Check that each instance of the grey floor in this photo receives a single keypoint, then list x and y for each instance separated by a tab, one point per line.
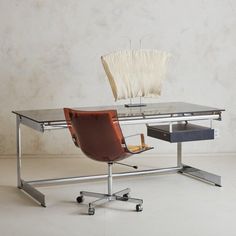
173	204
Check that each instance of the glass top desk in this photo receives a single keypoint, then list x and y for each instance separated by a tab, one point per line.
153	113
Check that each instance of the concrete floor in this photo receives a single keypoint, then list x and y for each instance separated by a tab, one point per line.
173	204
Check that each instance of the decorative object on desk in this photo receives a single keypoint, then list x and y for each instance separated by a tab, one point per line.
99	136
135	73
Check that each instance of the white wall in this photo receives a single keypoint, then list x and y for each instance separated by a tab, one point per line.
50	57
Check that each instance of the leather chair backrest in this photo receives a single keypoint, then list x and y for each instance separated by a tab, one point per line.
68	115
97	133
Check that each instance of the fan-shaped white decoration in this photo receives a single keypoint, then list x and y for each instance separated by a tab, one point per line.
135	73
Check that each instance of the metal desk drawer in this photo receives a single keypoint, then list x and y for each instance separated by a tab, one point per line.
180	132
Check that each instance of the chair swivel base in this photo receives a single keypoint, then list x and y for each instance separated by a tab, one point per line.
122	195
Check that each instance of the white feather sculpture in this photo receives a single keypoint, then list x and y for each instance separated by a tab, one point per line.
135	73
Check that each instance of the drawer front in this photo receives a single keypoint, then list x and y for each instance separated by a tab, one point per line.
181	133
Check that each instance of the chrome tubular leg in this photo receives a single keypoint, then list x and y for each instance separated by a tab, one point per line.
201	175
194	172
34	193
110	178
92	194
24	185
122	192
99	201
129	199
18	152
179	155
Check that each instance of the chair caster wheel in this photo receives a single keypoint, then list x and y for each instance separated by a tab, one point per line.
80	199
91	211
139	208
126	197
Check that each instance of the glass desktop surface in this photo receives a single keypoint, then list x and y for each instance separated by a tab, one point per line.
169	108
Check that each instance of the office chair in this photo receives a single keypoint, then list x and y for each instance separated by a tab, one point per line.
99	136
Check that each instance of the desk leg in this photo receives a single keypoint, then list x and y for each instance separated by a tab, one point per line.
179	155
194	172
21	184
201	175
18	151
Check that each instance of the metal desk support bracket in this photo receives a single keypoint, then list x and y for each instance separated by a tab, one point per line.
21	184
194	172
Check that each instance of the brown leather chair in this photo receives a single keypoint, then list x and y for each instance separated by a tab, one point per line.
99	136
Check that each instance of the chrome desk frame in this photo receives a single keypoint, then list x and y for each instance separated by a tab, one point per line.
29	186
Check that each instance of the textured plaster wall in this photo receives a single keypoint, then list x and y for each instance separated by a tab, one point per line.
50	57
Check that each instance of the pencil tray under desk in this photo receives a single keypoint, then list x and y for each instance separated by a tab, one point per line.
180	132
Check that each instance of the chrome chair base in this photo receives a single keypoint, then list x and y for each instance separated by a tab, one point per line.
122	195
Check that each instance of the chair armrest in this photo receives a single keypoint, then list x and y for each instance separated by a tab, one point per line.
142	140
143	146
